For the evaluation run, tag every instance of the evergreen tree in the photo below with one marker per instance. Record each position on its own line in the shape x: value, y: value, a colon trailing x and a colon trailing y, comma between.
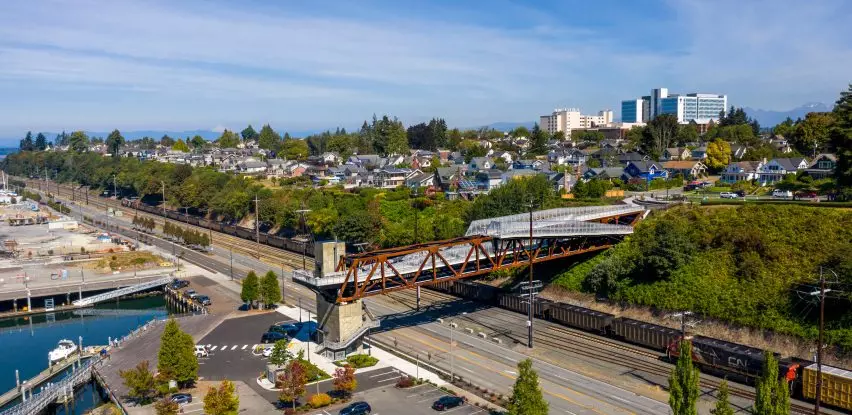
x: 683, y: 383
x: 40, y: 142
x: 27, y: 142
x: 280, y: 354
x: 527, y: 397
x: 166, y: 406
x: 538, y: 140
x: 114, y: 142
x: 772, y: 394
x: 841, y: 142
x: 723, y: 407
x: 222, y: 400
x: 269, y: 289
x: 249, y: 133
x: 268, y: 139
x: 251, y: 290
x: 177, y: 354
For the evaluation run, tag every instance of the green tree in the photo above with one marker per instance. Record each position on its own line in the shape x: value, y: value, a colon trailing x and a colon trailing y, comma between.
x: 841, y: 141
x: 198, y: 142
x: 661, y: 133
x: 520, y: 131
x: 251, y: 288
x: 292, y: 382
x: 687, y: 133
x: 718, y: 155
x: 167, y: 141
x: 527, y: 397
x: 114, y: 142
x: 723, y: 407
x: 772, y: 396
x: 538, y: 140
x: 344, y: 380
x: 222, y: 400
x: 295, y: 149
x: 268, y: 138
x: 78, y: 141
x: 811, y: 135
x: 166, y: 406
x: 40, y: 142
x: 139, y: 382
x: 228, y: 139
x: 177, y: 354
x: 180, y: 145
x: 683, y: 383
x: 249, y: 133
x: 280, y: 354
x: 785, y: 128
x: 27, y: 142
x: 269, y: 289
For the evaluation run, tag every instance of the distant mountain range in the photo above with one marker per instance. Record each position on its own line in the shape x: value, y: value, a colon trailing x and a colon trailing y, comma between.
x: 506, y: 126
x: 768, y: 118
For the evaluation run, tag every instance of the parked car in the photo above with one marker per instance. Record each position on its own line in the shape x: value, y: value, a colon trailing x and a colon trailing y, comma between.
x: 447, y: 402
x: 203, y: 300
x: 286, y: 328
x: 190, y: 293
x: 201, y: 351
x: 182, y: 398
x: 267, y: 351
x: 807, y: 195
x: 728, y: 195
x: 178, y: 284
x: 356, y: 408
x: 244, y: 307
x: 740, y: 193
x: 272, y: 337
x: 784, y: 194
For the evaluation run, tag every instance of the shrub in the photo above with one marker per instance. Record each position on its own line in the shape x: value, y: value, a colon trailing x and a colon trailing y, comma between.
x: 362, y: 360
x: 405, y: 382
x: 319, y: 400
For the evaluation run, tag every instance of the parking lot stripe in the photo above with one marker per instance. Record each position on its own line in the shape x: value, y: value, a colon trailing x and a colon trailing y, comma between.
x: 382, y: 374
x: 455, y: 409
x: 235, y: 347
x: 223, y: 347
x: 390, y: 379
x: 213, y: 348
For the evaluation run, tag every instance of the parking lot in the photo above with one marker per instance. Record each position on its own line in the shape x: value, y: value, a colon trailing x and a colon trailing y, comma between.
x: 388, y: 400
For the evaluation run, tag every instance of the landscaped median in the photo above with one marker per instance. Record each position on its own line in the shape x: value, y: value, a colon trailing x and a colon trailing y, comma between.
x: 358, y: 361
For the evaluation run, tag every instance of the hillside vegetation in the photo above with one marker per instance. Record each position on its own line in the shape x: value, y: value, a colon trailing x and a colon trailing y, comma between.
x: 749, y: 265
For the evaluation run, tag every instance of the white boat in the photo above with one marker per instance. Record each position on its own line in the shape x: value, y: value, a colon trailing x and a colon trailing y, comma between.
x: 64, y: 349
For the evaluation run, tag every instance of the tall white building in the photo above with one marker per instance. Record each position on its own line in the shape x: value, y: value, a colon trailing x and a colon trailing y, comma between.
x: 688, y: 107
x: 568, y: 119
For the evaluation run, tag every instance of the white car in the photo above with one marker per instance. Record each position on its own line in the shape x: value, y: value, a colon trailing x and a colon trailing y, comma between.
x: 201, y: 351
x: 728, y: 195
x: 267, y: 351
x: 784, y: 194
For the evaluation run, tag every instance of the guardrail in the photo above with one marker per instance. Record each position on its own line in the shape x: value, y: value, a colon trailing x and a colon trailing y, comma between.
x: 122, y: 291
x: 39, y: 402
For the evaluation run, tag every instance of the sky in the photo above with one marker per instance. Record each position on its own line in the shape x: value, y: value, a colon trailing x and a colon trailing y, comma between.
x: 185, y: 65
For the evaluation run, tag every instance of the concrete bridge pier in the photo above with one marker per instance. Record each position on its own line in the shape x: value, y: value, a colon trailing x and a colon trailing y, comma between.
x: 15, y: 305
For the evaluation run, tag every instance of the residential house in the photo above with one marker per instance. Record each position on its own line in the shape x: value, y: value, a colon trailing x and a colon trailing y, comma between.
x: 645, y: 170
x: 514, y: 174
x: 481, y: 163
x: 420, y: 180
x: 505, y: 155
x: 822, y: 166
x: 251, y: 167
x: 604, y: 173
x: 629, y: 157
x: 775, y: 170
x: 561, y: 157
x: 445, y: 177
x: 364, y: 160
x: 780, y: 143
x: 489, y: 179
x: 741, y: 171
x: 738, y: 151
x: 392, y: 160
x: 699, y: 153
x: 275, y: 168
x: 676, y: 153
x: 688, y: 169
x: 392, y: 177
x: 529, y: 164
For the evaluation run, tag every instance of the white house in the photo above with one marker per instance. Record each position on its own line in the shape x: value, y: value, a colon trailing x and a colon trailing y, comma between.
x: 742, y: 171
x: 775, y: 170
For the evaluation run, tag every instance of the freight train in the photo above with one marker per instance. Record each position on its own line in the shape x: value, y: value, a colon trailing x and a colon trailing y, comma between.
x: 277, y: 241
x: 712, y: 355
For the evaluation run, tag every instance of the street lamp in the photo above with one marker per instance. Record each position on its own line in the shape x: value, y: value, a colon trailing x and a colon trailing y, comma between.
x: 305, y: 240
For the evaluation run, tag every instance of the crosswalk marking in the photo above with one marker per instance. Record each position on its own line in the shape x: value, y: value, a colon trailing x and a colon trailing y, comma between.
x: 244, y: 347
x: 235, y: 347
x: 213, y: 348
x: 223, y: 347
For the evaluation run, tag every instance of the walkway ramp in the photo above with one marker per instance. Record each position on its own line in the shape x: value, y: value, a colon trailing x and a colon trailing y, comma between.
x: 122, y: 292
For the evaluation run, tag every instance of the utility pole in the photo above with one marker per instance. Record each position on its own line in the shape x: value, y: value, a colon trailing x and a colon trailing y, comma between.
x: 305, y: 239
x: 819, y: 341
x: 114, y: 189
x: 231, y: 250
x: 257, y: 225
x: 530, y: 286
x: 164, y: 201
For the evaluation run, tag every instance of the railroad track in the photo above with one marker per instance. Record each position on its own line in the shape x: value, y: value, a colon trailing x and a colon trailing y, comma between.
x: 270, y: 255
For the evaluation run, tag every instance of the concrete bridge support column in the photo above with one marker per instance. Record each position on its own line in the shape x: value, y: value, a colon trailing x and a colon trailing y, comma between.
x: 338, y: 322
x: 15, y: 304
x: 29, y: 302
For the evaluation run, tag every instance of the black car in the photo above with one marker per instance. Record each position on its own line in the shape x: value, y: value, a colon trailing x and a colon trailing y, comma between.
x: 356, y: 408
x: 286, y: 328
x: 272, y: 337
x: 182, y: 398
x: 447, y: 402
x: 740, y: 193
x: 203, y: 300
x: 178, y: 284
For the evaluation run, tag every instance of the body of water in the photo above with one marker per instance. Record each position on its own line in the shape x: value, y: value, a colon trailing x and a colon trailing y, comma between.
x: 26, y: 341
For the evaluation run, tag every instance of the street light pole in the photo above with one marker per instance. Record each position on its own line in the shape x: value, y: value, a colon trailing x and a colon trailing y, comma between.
x: 530, y: 316
x: 257, y: 224
x: 305, y: 241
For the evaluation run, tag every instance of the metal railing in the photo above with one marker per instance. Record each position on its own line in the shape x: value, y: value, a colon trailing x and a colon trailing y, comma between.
x: 47, y: 396
x: 122, y: 291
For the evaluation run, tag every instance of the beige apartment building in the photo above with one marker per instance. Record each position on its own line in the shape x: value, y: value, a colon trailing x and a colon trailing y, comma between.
x: 568, y: 119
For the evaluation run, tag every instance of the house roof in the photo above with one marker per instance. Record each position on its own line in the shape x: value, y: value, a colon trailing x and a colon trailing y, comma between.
x: 607, y: 172
x: 821, y: 156
x: 680, y: 164
x: 789, y: 164
x: 492, y: 173
x: 643, y: 165
x: 420, y: 177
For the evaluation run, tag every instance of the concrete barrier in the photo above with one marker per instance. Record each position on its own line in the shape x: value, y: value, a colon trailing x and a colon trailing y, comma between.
x: 483, y: 335
x: 497, y: 340
x: 468, y: 330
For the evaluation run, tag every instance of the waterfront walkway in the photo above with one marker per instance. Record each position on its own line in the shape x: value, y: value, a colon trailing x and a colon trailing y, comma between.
x: 144, y: 346
x: 35, y: 382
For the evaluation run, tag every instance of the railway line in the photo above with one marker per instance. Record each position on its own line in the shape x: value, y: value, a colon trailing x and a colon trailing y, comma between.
x: 557, y: 338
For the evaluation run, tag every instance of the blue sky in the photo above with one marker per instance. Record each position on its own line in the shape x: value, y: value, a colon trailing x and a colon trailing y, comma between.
x: 98, y: 65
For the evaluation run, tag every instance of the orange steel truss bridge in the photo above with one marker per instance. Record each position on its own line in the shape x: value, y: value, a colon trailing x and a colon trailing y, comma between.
x: 489, y: 245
